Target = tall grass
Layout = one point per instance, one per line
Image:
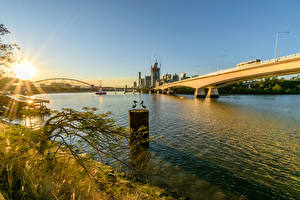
(25, 173)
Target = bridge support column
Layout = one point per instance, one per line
(169, 91)
(200, 93)
(158, 92)
(213, 92)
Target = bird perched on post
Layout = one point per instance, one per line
(142, 104)
(134, 103)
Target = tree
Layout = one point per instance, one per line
(7, 51)
(277, 88)
(82, 132)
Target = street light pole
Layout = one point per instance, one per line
(276, 41)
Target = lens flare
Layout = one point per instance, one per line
(24, 71)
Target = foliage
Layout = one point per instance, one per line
(84, 132)
(259, 86)
(6, 50)
(184, 90)
(61, 160)
(264, 86)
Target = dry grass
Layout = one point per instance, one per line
(26, 174)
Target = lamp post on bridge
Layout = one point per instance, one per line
(276, 42)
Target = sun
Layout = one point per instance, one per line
(24, 71)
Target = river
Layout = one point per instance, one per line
(234, 147)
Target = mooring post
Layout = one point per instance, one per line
(139, 127)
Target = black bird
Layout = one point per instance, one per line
(142, 104)
(134, 103)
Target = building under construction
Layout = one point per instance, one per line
(155, 74)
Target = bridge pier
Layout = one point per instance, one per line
(158, 92)
(170, 91)
(200, 93)
(212, 92)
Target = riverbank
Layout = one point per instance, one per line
(263, 86)
(26, 174)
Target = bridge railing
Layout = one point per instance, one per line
(282, 58)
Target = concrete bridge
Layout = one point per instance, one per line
(274, 67)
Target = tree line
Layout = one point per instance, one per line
(273, 85)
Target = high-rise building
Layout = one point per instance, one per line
(155, 74)
(183, 76)
(142, 83)
(139, 80)
(134, 84)
(147, 81)
(167, 78)
(175, 77)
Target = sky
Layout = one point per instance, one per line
(113, 40)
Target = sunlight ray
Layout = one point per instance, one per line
(28, 89)
(39, 88)
(6, 87)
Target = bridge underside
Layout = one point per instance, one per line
(218, 80)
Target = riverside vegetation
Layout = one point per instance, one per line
(261, 86)
(63, 159)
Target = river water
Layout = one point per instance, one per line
(234, 147)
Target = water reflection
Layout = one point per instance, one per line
(233, 147)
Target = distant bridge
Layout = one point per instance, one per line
(64, 81)
(274, 67)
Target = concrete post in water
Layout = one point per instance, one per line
(150, 91)
(212, 92)
(139, 127)
(200, 93)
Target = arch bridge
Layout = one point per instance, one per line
(64, 82)
(275, 67)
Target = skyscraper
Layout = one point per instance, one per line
(175, 77)
(155, 74)
(148, 81)
(139, 81)
(142, 83)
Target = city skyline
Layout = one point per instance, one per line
(115, 40)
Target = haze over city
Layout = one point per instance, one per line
(113, 40)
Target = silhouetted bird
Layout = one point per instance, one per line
(142, 104)
(134, 103)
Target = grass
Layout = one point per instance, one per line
(27, 174)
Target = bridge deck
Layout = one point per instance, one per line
(240, 71)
